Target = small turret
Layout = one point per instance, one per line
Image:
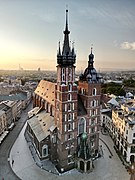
(59, 50)
(90, 74)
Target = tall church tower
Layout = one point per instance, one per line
(66, 104)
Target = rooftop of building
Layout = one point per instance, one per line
(33, 112)
(9, 103)
(13, 97)
(128, 117)
(46, 90)
(4, 107)
(41, 124)
(107, 112)
(1, 112)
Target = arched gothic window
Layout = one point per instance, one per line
(70, 77)
(94, 103)
(63, 71)
(69, 116)
(94, 92)
(69, 126)
(82, 126)
(70, 87)
(45, 150)
(69, 97)
(63, 78)
(69, 106)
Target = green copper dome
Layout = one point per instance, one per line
(84, 136)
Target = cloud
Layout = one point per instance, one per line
(128, 45)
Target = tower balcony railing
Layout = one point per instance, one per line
(66, 60)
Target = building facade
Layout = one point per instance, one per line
(120, 124)
(73, 138)
(124, 134)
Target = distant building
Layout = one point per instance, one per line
(3, 122)
(39, 69)
(66, 129)
(8, 113)
(13, 106)
(24, 97)
(3, 125)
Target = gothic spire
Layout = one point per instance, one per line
(66, 47)
(67, 56)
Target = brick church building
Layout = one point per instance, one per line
(64, 126)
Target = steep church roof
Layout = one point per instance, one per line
(41, 124)
(46, 90)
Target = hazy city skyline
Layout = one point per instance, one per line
(30, 31)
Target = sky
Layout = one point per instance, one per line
(31, 29)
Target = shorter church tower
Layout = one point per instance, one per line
(66, 104)
(89, 90)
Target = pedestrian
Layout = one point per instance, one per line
(12, 162)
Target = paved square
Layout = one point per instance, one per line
(106, 168)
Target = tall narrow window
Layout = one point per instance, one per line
(70, 77)
(70, 87)
(69, 152)
(69, 116)
(94, 92)
(63, 78)
(82, 126)
(69, 106)
(45, 150)
(69, 97)
(63, 71)
(69, 126)
(65, 107)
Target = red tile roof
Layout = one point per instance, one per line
(46, 90)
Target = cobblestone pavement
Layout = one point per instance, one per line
(106, 168)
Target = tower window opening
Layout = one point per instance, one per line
(69, 97)
(63, 78)
(69, 151)
(69, 116)
(69, 106)
(70, 87)
(82, 126)
(94, 92)
(69, 126)
(63, 71)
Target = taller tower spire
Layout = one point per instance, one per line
(67, 57)
(66, 47)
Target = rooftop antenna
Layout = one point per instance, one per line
(91, 48)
